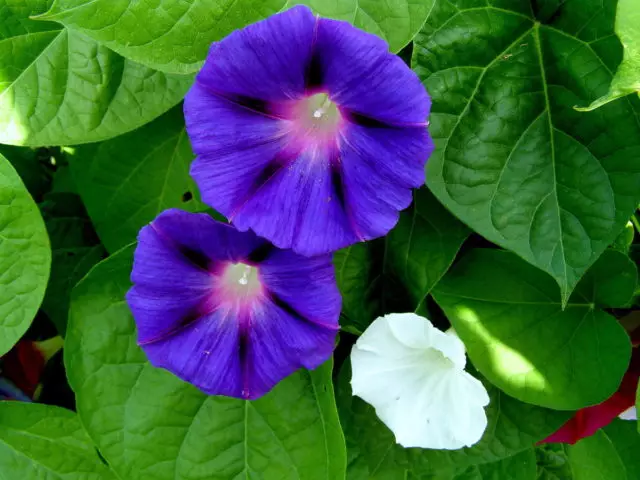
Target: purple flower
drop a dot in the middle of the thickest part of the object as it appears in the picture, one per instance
(225, 310)
(307, 131)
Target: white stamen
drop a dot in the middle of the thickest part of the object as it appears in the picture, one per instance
(318, 113)
(244, 279)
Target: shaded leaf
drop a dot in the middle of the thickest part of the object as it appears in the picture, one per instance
(513, 159)
(28, 163)
(521, 466)
(75, 248)
(553, 463)
(510, 317)
(149, 424)
(395, 274)
(127, 181)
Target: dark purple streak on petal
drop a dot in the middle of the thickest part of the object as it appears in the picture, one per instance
(288, 148)
(225, 310)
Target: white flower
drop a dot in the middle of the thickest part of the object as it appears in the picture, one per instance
(629, 414)
(413, 374)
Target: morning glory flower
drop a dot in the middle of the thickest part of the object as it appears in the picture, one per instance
(225, 310)
(308, 132)
(413, 375)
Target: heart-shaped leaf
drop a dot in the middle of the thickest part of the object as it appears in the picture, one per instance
(149, 424)
(517, 333)
(60, 87)
(25, 257)
(514, 160)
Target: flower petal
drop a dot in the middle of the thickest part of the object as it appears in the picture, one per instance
(173, 269)
(243, 352)
(401, 366)
(379, 170)
(363, 77)
(275, 51)
(246, 316)
(237, 149)
(312, 184)
(280, 341)
(418, 332)
(205, 353)
(300, 208)
(305, 285)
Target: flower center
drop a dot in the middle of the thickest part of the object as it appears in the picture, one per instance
(436, 359)
(313, 123)
(322, 113)
(241, 281)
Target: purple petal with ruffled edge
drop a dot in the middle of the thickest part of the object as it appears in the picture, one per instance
(308, 132)
(225, 310)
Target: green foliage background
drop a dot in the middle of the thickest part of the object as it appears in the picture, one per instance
(521, 238)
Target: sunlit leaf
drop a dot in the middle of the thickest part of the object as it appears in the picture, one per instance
(60, 87)
(517, 333)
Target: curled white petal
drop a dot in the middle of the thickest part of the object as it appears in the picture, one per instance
(629, 414)
(413, 374)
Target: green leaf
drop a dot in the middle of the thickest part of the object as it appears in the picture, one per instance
(513, 427)
(176, 35)
(59, 87)
(177, 39)
(624, 240)
(25, 257)
(595, 458)
(397, 273)
(553, 463)
(627, 78)
(521, 466)
(510, 318)
(45, 442)
(149, 424)
(75, 249)
(29, 165)
(610, 282)
(626, 440)
(127, 181)
(397, 22)
(513, 159)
